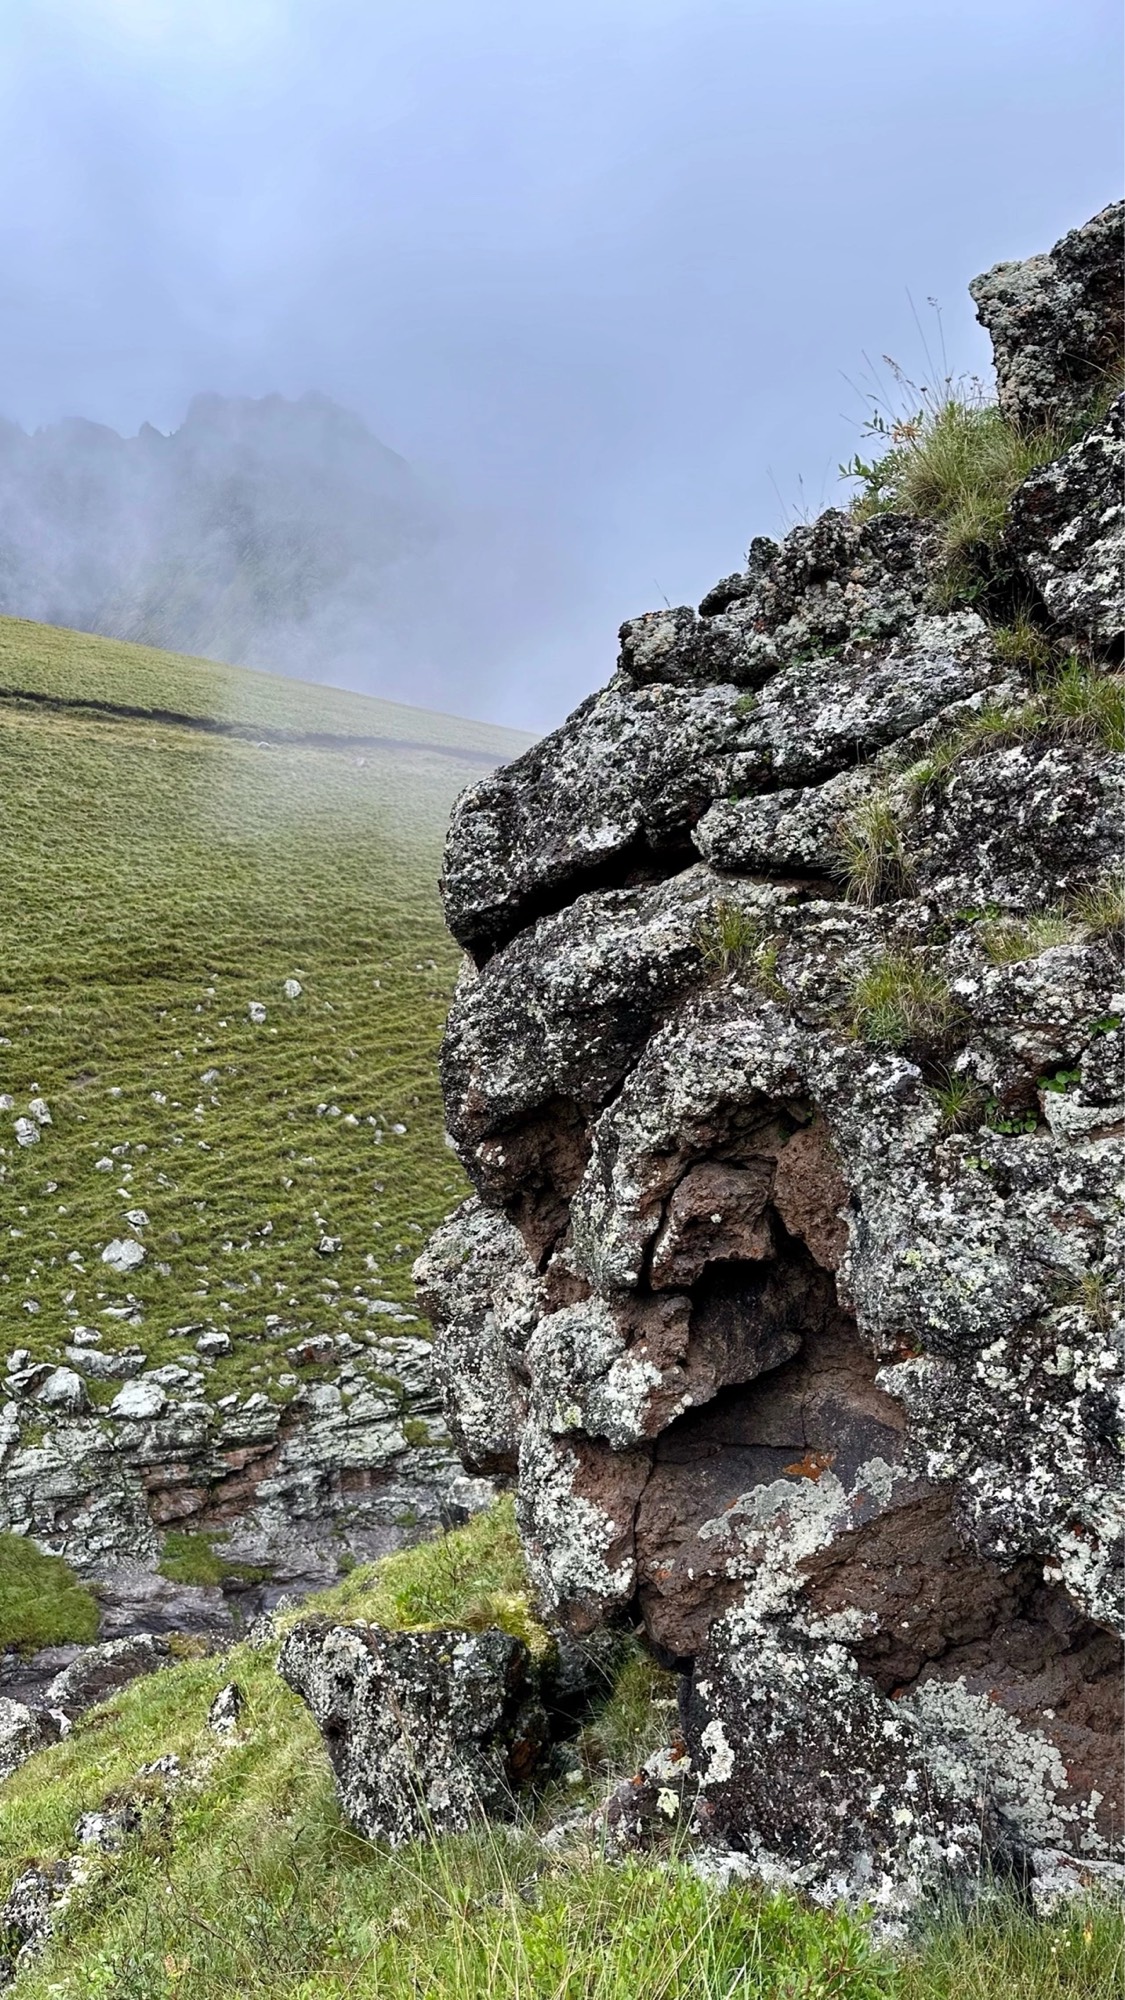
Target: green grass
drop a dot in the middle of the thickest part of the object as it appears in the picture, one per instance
(872, 856)
(42, 1602)
(159, 879)
(473, 1577)
(1009, 939)
(901, 1002)
(1100, 908)
(735, 940)
(243, 1881)
(191, 1557)
(76, 667)
(958, 462)
(959, 1101)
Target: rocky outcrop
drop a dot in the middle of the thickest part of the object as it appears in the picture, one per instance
(356, 1465)
(428, 1731)
(786, 1063)
(1057, 322)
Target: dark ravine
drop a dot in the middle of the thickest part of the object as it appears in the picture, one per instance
(809, 1380)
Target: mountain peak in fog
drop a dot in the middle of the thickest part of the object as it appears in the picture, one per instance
(262, 531)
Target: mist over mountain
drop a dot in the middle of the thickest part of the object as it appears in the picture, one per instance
(265, 532)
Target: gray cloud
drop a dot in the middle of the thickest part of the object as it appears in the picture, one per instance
(594, 270)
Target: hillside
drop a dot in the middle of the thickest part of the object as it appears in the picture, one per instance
(164, 880)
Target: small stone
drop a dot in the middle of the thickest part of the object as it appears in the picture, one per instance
(136, 1218)
(213, 1343)
(223, 1714)
(123, 1254)
(39, 1111)
(23, 1730)
(27, 1132)
(292, 989)
(328, 1245)
(104, 1165)
(256, 1012)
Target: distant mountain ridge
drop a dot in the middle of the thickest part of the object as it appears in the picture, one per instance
(261, 528)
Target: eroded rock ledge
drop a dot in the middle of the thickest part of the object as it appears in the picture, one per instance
(794, 1323)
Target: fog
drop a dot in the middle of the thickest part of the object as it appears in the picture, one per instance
(602, 274)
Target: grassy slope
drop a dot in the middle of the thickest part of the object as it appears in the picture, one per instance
(244, 1882)
(158, 879)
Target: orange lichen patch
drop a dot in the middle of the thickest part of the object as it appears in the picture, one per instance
(812, 1464)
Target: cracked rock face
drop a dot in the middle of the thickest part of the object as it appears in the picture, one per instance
(794, 1321)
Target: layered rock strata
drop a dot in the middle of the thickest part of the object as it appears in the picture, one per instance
(786, 1062)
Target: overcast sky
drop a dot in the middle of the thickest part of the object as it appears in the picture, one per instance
(600, 268)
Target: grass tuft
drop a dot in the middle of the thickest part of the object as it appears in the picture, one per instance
(900, 1002)
(1100, 908)
(959, 1102)
(1007, 940)
(732, 939)
(957, 461)
(870, 845)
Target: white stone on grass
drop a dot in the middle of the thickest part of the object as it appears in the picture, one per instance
(214, 1342)
(123, 1254)
(39, 1111)
(27, 1132)
(292, 989)
(256, 1012)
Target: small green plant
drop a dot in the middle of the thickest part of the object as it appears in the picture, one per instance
(42, 1603)
(1083, 700)
(733, 939)
(746, 703)
(1100, 908)
(1059, 1080)
(959, 1102)
(900, 1001)
(1009, 1119)
(1098, 1298)
(1010, 939)
(873, 858)
(1022, 644)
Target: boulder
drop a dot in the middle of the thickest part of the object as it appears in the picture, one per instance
(430, 1731)
(99, 1671)
(787, 1297)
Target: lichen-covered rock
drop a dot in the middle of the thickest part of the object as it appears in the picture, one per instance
(1067, 532)
(433, 1731)
(1057, 322)
(789, 1076)
(100, 1670)
(23, 1730)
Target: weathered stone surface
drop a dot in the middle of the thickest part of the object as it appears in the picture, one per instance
(100, 1670)
(1056, 322)
(1067, 531)
(793, 1319)
(432, 1731)
(23, 1730)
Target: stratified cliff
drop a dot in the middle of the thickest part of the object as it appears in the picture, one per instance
(786, 1063)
